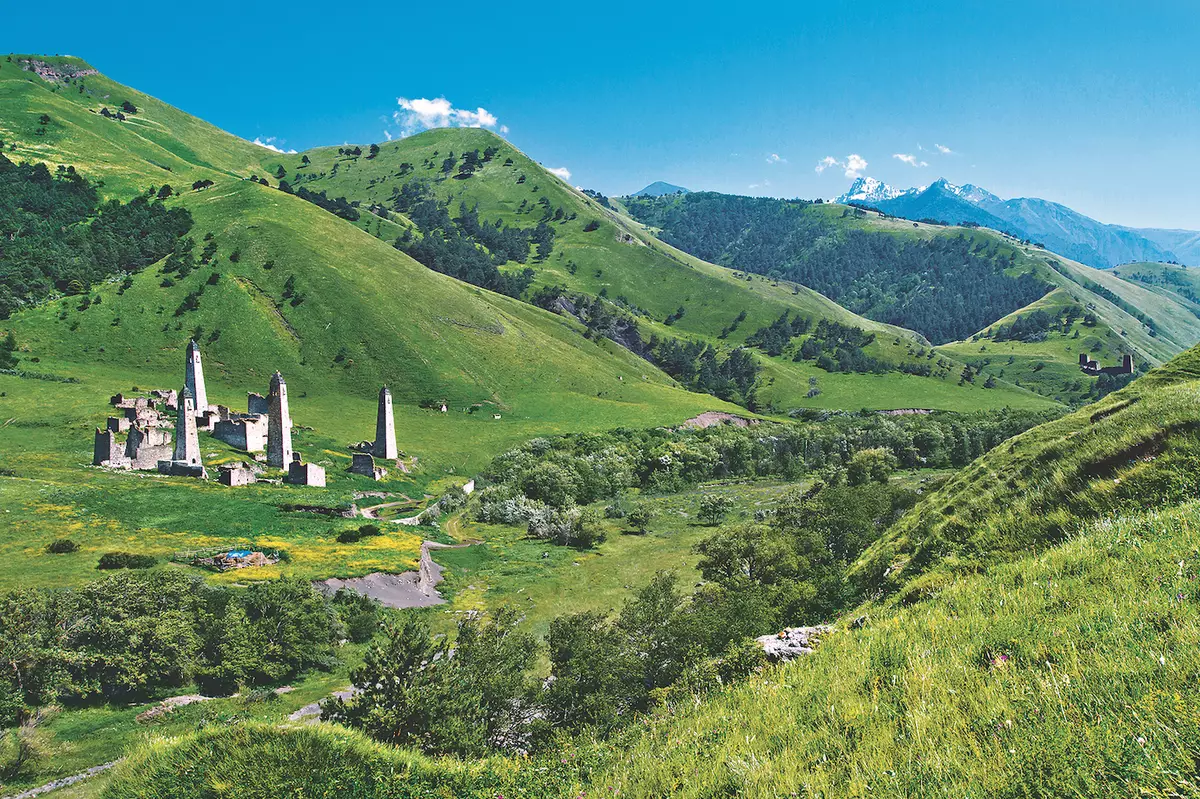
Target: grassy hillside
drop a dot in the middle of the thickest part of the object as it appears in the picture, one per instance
(618, 259)
(1062, 668)
(290, 287)
(1137, 448)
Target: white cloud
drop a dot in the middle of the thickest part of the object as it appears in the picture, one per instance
(943, 149)
(504, 130)
(776, 158)
(825, 163)
(909, 159)
(853, 166)
(387, 134)
(423, 113)
(561, 171)
(269, 143)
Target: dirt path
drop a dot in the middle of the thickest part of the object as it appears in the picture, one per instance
(412, 589)
(63, 782)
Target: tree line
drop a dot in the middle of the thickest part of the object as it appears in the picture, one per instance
(945, 287)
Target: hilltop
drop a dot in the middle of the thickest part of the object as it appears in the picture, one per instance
(659, 188)
(622, 281)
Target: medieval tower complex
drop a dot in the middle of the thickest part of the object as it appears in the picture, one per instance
(279, 424)
(194, 377)
(385, 428)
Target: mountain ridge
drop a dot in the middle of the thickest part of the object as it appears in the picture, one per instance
(1058, 227)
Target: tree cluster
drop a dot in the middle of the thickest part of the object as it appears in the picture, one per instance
(132, 634)
(57, 236)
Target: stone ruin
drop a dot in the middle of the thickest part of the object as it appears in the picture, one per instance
(304, 474)
(153, 441)
(1089, 366)
(383, 447)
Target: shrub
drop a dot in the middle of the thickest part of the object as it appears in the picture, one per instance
(353, 535)
(125, 560)
(60, 546)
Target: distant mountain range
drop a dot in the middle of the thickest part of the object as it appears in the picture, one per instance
(1058, 227)
(659, 189)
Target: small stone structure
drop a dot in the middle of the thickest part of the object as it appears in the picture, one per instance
(118, 424)
(279, 425)
(146, 446)
(257, 404)
(304, 474)
(364, 463)
(385, 428)
(239, 474)
(1090, 366)
(244, 431)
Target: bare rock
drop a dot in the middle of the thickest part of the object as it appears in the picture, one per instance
(793, 642)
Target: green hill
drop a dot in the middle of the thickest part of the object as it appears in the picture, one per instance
(946, 282)
(598, 252)
(289, 287)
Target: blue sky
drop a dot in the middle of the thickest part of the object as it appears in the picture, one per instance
(1095, 105)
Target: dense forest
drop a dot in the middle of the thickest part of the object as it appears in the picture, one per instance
(465, 246)
(945, 288)
(56, 235)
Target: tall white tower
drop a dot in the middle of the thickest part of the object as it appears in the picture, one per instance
(279, 424)
(194, 377)
(385, 428)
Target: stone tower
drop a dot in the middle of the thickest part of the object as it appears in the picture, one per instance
(194, 377)
(187, 441)
(385, 428)
(279, 424)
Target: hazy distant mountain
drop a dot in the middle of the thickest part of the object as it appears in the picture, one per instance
(1058, 227)
(658, 188)
(1184, 243)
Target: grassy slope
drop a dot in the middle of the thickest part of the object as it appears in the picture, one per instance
(1175, 317)
(622, 259)
(1071, 673)
(1136, 448)
(372, 315)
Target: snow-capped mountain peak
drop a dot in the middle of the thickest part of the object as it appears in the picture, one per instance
(869, 190)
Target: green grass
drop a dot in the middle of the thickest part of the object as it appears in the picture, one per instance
(1136, 448)
(621, 259)
(1067, 673)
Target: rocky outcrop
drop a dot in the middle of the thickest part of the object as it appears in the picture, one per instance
(793, 642)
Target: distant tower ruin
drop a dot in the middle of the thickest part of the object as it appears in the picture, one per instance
(194, 377)
(279, 425)
(385, 428)
(187, 440)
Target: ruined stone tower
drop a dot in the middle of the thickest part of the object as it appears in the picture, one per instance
(194, 377)
(187, 441)
(279, 424)
(385, 428)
